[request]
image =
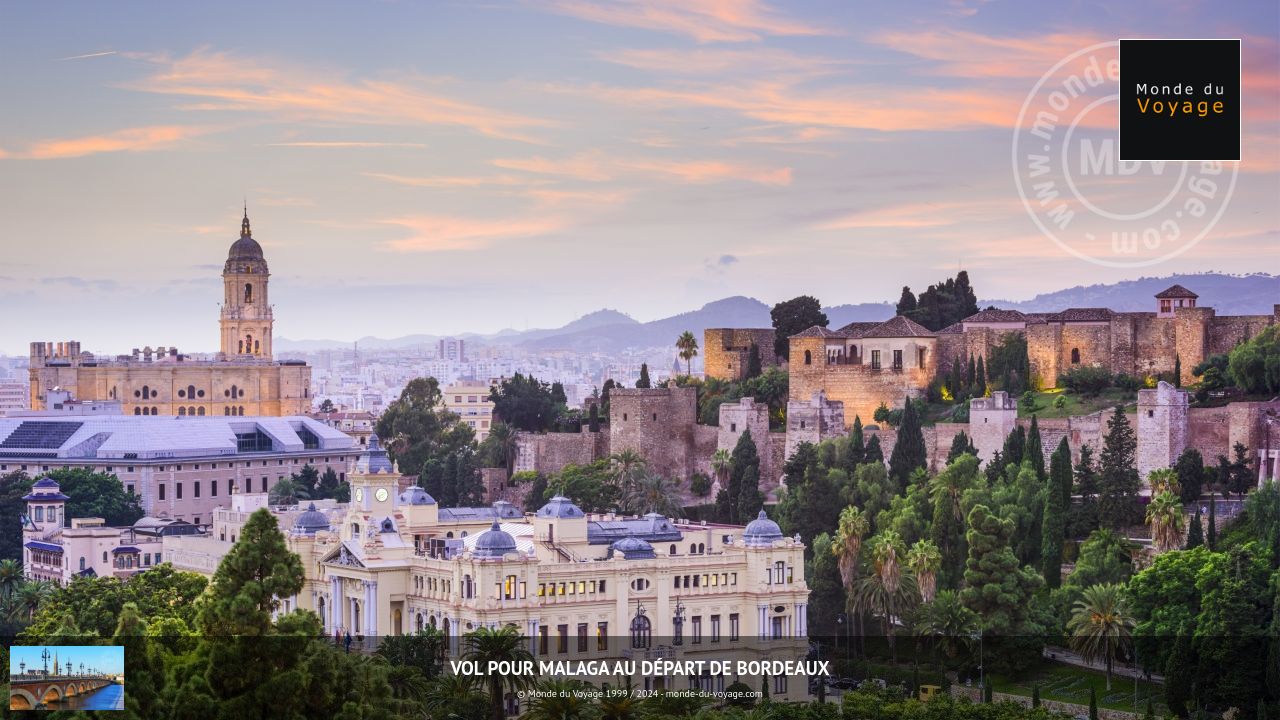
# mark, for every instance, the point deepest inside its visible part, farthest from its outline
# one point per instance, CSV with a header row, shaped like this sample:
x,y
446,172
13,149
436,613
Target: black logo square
x,y
1179,99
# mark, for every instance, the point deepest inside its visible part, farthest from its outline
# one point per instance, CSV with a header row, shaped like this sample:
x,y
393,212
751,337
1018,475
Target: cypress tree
x,y
986,691
1118,481
1055,515
1035,696
994,469
1177,371
643,382
960,445
744,457
752,500
857,447
956,382
874,453
1015,447
1093,704
971,374
1195,533
980,378
1034,450
754,366
909,451
593,418
1211,537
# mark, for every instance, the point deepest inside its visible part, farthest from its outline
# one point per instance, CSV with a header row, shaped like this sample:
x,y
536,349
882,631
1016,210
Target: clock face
x,y
359,494
381,494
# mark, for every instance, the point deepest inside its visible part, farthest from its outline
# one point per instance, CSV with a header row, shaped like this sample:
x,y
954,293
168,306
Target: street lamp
x,y
840,620
678,624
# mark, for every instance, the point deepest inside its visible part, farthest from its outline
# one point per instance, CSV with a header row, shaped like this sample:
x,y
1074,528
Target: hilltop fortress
x,y
837,375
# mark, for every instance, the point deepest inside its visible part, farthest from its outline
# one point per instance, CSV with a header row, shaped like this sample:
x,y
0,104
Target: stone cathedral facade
x,y
242,378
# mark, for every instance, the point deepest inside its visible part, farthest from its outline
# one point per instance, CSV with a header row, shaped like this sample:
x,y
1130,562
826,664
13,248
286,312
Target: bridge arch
x,y
53,693
70,690
20,699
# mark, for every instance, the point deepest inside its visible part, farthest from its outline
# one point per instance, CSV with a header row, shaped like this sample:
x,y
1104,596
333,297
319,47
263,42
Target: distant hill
x,y
611,331
1228,294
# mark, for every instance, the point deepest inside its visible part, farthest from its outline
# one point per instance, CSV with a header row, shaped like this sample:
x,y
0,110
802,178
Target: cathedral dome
x,y
246,248
761,532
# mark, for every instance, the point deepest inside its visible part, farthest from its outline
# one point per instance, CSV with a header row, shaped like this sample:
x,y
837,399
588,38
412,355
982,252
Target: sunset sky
x,y
453,167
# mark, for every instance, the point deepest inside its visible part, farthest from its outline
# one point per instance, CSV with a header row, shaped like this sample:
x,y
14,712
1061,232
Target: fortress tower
x,y
1162,428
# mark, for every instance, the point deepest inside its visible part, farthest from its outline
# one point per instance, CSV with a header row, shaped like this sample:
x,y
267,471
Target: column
x,y
1263,463
335,603
371,608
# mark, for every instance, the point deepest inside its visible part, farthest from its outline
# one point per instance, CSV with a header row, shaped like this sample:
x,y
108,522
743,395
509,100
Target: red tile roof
x,y
996,315
1176,291
899,327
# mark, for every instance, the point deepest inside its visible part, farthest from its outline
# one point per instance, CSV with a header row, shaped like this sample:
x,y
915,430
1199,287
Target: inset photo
x,y
66,677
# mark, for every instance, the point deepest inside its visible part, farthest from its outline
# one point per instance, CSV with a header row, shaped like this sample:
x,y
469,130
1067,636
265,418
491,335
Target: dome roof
x,y
416,496
633,548
494,543
374,459
246,248
560,507
46,482
311,521
762,531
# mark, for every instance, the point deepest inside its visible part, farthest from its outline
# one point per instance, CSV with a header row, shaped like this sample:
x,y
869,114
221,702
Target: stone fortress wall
x,y
725,351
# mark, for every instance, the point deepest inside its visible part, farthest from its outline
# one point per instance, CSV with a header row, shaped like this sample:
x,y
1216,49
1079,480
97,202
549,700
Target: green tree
x,y
1015,446
644,381
1254,365
525,403
1055,515
687,344
906,302
947,490
1167,521
755,365
924,559
793,316
874,454
960,444
593,422
287,492
942,303
887,591
326,406
308,479
1034,452
847,543
416,427
505,644
1100,626
743,458
997,588
1195,532
909,452
1009,366
1105,557
1190,469
96,494
1118,481
1211,537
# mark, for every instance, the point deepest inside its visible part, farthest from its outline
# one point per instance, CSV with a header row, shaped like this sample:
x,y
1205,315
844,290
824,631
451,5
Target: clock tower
x,y
246,311
374,483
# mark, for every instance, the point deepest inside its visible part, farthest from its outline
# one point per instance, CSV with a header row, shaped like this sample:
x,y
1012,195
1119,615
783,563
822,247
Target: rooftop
x,y
1175,291
142,437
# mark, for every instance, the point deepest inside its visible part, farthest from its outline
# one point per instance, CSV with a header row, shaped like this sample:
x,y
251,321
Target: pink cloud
x,y
454,181
140,139
703,20
301,94
959,53
595,166
440,233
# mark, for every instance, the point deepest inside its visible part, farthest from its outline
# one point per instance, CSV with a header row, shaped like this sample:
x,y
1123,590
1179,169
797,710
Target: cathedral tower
x,y
246,310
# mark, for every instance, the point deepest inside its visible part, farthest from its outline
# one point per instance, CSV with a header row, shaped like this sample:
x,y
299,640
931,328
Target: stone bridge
x,y
38,692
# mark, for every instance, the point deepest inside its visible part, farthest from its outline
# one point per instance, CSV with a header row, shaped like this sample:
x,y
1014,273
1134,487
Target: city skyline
x,y
426,167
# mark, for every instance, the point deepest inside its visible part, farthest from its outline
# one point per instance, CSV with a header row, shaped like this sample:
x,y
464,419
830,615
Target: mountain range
x,y
611,331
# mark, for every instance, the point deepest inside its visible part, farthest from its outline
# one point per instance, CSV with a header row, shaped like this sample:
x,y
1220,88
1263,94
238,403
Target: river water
x,y
110,697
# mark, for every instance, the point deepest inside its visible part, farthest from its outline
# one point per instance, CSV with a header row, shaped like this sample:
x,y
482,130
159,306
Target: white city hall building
x,y
578,586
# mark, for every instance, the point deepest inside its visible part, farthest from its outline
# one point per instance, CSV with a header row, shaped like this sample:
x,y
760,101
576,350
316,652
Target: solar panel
x,y
41,435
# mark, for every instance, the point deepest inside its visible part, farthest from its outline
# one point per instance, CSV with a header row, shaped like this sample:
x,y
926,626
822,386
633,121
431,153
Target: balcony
x,y
662,652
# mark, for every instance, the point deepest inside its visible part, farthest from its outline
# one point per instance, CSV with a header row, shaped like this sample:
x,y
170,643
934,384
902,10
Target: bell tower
x,y
246,311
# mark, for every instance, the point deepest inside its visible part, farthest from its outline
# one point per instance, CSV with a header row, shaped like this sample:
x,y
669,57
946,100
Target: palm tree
x,y
626,465
948,621
652,493
688,346
28,598
1100,625
924,559
452,691
1164,479
888,591
504,439
10,577
504,644
848,542
721,463
1167,520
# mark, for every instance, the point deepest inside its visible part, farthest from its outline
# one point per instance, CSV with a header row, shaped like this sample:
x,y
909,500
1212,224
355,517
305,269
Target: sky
x,y
449,167
108,659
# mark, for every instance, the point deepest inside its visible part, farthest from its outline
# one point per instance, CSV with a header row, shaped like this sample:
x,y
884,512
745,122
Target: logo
x,y
1091,203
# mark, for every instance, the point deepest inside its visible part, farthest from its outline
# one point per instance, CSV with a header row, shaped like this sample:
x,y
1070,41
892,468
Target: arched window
x,y
182,411
146,392
673,550
248,292
200,411
137,411
702,548
419,622
468,587
191,411
81,563
257,347
104,556
808,358
641,632
248,342
191,391
240,348
1075,356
